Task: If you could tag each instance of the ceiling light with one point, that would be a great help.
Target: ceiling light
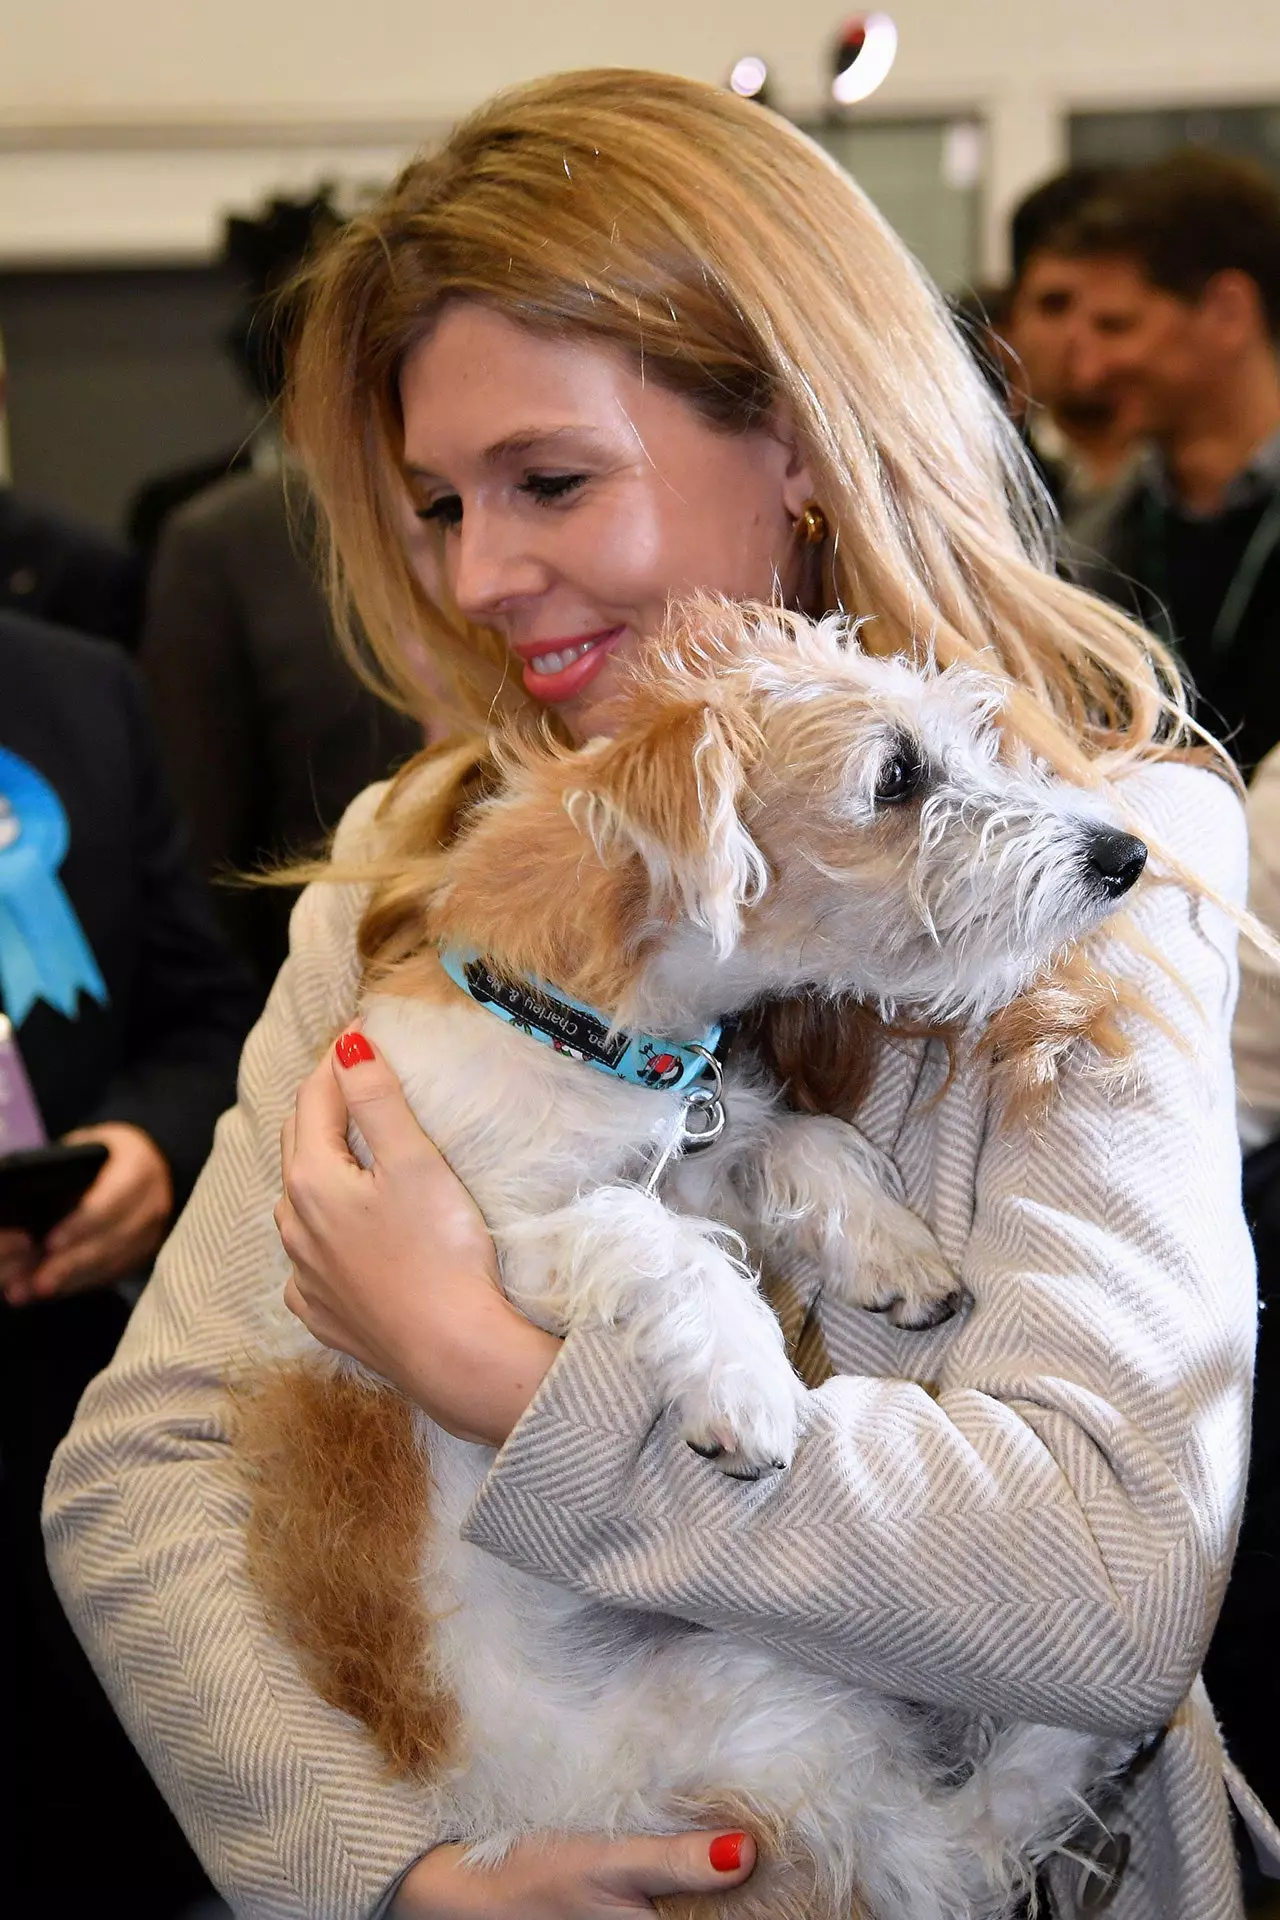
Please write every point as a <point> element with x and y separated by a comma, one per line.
<point>750,76</point>
<point>863,56</point>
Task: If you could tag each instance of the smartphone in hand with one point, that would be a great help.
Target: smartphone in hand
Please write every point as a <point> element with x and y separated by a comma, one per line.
<point>41,1186</point>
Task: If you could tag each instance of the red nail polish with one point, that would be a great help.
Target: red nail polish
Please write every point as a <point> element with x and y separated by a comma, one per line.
<point>352,1050</point>
<point>726,1852</point>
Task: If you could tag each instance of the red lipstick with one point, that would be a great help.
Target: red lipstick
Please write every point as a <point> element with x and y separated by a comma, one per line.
<point>587,653</point>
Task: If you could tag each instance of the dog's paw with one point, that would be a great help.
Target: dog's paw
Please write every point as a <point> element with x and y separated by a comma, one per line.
<point>754,1435</point>
<point>742,1414</point>
<point>892,1264</point>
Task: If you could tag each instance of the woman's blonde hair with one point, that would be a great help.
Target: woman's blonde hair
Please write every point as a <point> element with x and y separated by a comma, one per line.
<point>731,259</point>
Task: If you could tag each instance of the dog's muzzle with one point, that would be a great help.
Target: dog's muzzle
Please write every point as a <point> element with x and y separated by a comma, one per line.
<point>1114,860</point>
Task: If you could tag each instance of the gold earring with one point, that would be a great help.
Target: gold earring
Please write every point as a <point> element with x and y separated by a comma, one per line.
<point>812,525</point>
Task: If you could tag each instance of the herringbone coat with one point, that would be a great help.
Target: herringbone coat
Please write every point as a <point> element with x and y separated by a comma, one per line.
<point>1028,1513</point>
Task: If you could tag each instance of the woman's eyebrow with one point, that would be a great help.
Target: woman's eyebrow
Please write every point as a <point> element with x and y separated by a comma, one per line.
<point>527,441</point>
<point>511,446</point>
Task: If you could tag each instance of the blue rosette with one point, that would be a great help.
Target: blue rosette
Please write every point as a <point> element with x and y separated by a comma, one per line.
<point>43,952</point>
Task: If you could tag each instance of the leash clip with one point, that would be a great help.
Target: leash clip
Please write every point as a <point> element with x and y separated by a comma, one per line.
<point>699,1123</point>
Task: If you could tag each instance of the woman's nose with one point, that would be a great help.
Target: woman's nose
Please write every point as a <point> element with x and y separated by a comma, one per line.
<point>488,567</point>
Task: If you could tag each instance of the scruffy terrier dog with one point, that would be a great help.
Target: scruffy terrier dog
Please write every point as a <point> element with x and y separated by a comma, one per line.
<point>780,812</point>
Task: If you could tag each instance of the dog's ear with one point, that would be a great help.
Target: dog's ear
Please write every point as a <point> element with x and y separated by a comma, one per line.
<point>671,796</point>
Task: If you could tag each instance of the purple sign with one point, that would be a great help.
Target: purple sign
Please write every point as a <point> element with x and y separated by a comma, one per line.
<point>21,1127</point>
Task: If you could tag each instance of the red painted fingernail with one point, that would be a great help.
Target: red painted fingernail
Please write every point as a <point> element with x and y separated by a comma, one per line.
<point>726,1852</point>
<point>352,1050</point>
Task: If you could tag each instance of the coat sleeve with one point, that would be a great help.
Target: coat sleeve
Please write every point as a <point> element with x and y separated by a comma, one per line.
<point>1043,1528</point>
<point>1256,1035</point>
<point>282,1797</point>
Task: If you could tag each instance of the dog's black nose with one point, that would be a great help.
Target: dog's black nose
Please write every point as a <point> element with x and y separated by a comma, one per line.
<point>1115,860</point>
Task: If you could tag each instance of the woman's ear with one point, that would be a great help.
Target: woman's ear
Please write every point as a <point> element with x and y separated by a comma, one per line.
<point>670,797</point>
<point>798,486</point>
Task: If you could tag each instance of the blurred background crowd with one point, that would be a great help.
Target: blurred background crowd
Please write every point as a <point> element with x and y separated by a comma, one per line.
<point>1095,189</point>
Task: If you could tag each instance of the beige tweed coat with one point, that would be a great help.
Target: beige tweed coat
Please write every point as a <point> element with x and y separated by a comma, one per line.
<point>1029,1513</point>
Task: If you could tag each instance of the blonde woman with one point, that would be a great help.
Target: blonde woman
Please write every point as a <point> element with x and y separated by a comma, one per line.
<point>628,336</point>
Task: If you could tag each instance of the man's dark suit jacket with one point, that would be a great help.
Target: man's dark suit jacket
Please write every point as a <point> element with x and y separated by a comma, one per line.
<point>161,1055</point>
<point>268,734</point>
<point>53,568</point>
<point>1172,571</point>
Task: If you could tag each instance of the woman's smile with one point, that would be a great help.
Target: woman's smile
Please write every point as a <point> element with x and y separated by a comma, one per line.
<point>556,670</point>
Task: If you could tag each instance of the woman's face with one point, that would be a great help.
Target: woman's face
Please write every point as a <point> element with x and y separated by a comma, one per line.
<point>570,499</point>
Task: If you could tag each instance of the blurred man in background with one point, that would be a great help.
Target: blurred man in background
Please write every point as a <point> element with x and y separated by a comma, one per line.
<point>56,569</point>
<point>263,251</point>
<point>1177,312</point>
<point>267,732</point>
<point>1083,437</point>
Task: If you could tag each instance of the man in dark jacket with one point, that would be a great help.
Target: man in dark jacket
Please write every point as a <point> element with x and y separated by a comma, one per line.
<point>1178,304</point>
<point>143,1063</point>
<point>267,732</point>
<point>53,568</point>
<point>57,569</point>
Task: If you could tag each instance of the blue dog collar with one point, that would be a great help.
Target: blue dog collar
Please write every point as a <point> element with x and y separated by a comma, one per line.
<point>579,1031</point>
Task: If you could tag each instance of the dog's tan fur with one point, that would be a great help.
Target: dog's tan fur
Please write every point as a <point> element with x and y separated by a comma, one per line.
<point>340,1503</point>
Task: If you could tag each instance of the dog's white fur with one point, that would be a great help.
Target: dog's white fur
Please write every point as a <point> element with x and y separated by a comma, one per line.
<point>581,1717</point>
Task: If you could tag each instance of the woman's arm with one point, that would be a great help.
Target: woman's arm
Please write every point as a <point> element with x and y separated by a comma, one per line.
<point>284,1798</point>
<point>1044,1529</point>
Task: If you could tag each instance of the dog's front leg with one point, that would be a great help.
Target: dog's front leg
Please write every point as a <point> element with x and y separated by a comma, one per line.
<point>817,1186</point>
<point>686,1306</point>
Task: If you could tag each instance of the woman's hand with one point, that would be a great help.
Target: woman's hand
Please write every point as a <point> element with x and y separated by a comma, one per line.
<point>393,1263</point>
<point>116,1228</point>
<point>566,1877</point>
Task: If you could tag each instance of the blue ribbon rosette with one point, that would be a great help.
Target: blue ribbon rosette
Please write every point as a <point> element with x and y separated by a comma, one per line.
<point>43,952</point>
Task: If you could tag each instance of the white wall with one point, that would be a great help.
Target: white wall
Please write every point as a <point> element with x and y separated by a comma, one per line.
<point>126,127</point>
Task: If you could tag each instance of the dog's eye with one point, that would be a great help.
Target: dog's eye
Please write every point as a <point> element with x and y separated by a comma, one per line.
<point>900,776</point>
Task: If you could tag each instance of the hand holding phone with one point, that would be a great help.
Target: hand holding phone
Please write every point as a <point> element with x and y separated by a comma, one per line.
<point>39,1186</point>
<point>114,1230</point>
